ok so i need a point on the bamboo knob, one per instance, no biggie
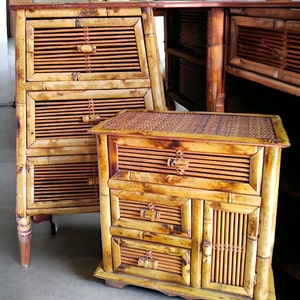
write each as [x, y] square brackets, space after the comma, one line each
[86, 48]
[148, 262]
[91, 118]
[149, 214]
[179, 163]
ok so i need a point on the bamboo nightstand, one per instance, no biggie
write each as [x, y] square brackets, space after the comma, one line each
[188, 202]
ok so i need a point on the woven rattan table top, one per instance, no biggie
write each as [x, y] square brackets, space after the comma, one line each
[205, 125]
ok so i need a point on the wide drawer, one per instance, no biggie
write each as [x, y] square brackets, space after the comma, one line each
[191, 164]
[263, 49]
[61, 119]
[160, 262]
[62, 183]
[87, 48]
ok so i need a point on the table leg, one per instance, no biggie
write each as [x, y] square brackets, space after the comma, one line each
[24, 236]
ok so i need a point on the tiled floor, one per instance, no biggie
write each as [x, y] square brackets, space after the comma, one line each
[62, 265]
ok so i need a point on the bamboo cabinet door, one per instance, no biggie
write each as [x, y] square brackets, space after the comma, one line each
[229, 247]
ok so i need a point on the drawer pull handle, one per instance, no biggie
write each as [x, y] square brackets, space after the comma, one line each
[179, 163]
[75, 76]
[150, 214]
[91, 118]
[148, 262]
[86, 48]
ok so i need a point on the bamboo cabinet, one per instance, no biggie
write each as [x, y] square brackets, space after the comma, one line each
[188, 202]
[74, 67]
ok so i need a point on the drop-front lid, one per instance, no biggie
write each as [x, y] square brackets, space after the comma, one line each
[227, 127]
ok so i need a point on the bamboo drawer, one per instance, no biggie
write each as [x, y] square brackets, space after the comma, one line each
[263, 48]
[186, 164]
[65, 183]
[157, 213]
[194, 191]
[164, 263]
[87, 48]
[62, 119]
[232, 164]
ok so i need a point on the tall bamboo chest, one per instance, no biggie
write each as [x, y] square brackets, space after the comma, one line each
[188, 202]
[75, 65]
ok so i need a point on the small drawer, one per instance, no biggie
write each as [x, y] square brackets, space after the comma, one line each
[160, 214]
[157, 261]
[62, 183]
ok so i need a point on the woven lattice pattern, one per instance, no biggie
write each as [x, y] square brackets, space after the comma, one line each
[235, 125]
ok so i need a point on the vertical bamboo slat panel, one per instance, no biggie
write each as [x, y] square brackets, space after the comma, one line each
[232, 240]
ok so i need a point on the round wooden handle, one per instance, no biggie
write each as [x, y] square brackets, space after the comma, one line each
[86, 48]
[91, 118]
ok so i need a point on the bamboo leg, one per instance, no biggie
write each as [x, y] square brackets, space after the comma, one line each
[153, 59]
[24, 236]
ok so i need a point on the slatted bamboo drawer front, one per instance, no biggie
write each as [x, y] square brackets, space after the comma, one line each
[187, 164]
[57, 119]
[264, 48]
[187, 201]
[229, 165]
[148, 260]
[157, 213]
[145, 220]
[108, 45]
[66, 183]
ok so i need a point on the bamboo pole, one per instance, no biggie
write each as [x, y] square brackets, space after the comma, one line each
[23, 221]
[153, 59]
[103, 170]
[215, 93]
[267, 221]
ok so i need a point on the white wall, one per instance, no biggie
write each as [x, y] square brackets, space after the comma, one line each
[159, 26]
[3, 25]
